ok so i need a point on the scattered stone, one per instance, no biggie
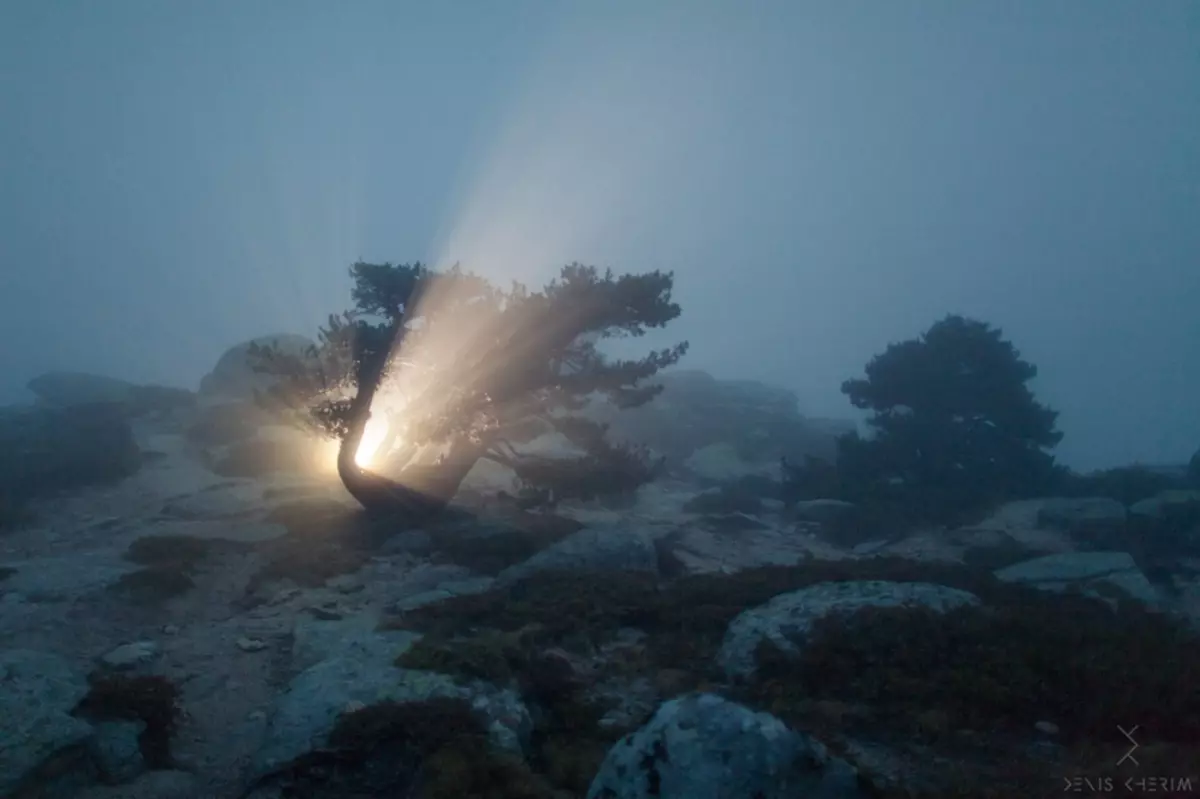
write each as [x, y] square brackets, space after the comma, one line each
[324, 614]
[131, 655]
[170, 629]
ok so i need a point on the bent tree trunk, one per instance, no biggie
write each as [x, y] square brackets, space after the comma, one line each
[420, 490]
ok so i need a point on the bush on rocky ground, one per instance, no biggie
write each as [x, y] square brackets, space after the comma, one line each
[436, 749]
[1001, 667]
[1126, 484]
[962, 690]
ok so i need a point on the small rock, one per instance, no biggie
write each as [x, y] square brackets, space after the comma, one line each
[256, 715]
[251, 644]
[325, 614]
[170, 629]
[1046, 727]
[130, 655]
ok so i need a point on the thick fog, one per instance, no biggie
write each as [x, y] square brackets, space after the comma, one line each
[823, 178]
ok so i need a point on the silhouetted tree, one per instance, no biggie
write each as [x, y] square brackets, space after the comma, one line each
[954, 426]
[462, 368]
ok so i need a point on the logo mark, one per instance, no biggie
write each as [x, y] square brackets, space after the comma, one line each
[1129, 734]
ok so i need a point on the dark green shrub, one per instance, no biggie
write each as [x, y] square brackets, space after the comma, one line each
[1067, 659]
[1126, 484]
[45, 451]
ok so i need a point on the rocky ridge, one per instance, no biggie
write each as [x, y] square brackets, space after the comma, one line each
[184, 633]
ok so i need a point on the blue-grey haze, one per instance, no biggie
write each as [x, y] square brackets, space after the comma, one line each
[824, 177]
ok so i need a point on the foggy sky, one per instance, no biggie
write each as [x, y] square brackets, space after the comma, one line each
[824, 178]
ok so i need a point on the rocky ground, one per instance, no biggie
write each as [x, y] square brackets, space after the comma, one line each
[183, 634]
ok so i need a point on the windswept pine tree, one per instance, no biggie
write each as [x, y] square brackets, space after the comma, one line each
[434, 370]
[954, 427]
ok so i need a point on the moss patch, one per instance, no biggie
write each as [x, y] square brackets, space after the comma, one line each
[149, 699]
[492, 655]
[493, 546]
[153, 584]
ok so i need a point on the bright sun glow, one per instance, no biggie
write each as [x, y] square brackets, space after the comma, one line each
[374, 434]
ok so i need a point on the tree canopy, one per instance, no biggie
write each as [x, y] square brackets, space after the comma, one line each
[458, 365]
[953, 425]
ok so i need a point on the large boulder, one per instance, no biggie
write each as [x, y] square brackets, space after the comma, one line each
[234, 376]
[705, 747]
[1091, 518]
[45, 450]
[786, 620]
[1097, 574]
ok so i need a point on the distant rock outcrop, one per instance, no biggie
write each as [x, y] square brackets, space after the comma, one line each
[68, 389]
[755, 423]
[234, 376]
